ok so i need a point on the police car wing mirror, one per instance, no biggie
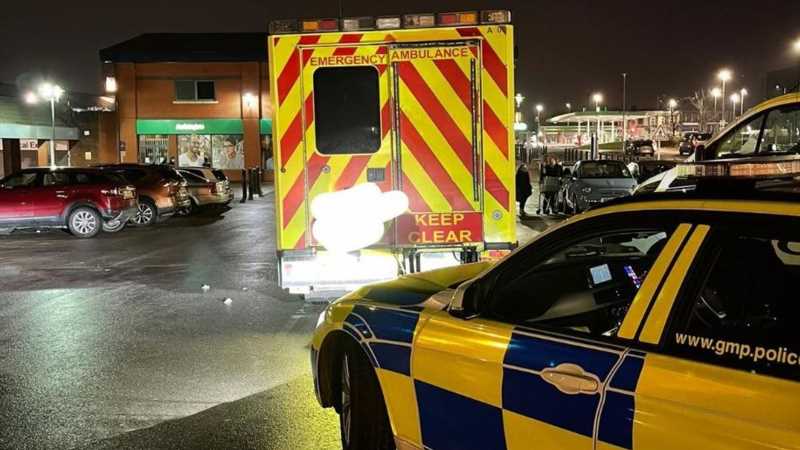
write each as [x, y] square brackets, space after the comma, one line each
[462, 304]
[699, 152]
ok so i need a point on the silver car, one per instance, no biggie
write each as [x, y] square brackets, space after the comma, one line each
[592, 182]
[205, 188]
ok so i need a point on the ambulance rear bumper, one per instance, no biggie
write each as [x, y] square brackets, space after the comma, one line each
[322, 274]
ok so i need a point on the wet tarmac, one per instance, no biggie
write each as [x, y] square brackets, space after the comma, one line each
[113, 343]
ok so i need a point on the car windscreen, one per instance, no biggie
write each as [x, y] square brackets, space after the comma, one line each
[603, 169]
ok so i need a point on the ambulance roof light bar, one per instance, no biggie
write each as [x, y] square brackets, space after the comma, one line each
[457, 18]
[425, 20]
[764, 169]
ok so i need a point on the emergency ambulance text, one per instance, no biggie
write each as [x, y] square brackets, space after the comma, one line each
[407, 54]
[348, 60]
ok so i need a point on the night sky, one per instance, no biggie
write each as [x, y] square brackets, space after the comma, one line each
[567, 48]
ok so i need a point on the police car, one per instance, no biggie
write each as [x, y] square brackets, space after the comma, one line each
[771, 128]
[660, 322]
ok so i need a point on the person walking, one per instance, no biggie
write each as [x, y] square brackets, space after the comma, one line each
[524, 188]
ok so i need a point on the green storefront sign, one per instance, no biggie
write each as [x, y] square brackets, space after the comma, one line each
[190, 126]
[197, 126]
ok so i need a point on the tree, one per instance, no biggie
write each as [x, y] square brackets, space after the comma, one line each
[700, 103]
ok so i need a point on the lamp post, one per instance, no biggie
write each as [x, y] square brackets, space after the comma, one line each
[52, 93]
[569, 106]
[734, 99]
[597, 98]
[743, 93]
[624, 110]
[724, 75]
[672, 104]
[539, 109]
[796, 48]
[716, 93]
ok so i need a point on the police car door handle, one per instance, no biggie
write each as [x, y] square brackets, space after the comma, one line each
[571, 379]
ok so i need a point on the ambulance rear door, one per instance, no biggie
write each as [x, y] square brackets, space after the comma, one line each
[346, 116]
[437, 147]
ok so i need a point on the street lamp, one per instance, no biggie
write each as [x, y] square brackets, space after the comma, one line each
[734, 99]
[519, 98]
[52, 93]
[716, 93]
[743, 92]
[569, 107]
[724, 75]
[672, 103]
[796, 48]
[597, 98]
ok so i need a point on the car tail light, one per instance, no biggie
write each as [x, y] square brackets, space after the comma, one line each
[115, 192]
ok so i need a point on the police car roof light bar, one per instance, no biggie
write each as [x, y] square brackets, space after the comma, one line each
[768, 169]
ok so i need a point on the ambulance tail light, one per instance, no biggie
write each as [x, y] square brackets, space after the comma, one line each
[358, 23]
[283, 26]
[388, 22]
[314, 25]
[458, 18]
[419, 20]
[495, 16]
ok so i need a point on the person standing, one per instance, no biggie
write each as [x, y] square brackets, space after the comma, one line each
[524, 188]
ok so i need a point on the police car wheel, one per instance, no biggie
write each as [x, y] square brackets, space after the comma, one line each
[363, 421]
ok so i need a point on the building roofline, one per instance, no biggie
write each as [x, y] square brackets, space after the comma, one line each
[188, 47]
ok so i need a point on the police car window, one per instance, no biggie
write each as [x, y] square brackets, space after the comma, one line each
[782, 131]
[745, 313]
[742, 140]
[346, 110]
[585, 287]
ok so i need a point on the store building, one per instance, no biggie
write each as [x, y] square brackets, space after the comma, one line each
[83, 131]
[192, 100]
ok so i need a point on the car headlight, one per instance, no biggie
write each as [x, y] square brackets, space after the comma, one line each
[586, 190]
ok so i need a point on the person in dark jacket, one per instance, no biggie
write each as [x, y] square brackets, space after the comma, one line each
[524, 189]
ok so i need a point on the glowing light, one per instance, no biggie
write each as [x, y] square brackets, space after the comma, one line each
[672, 103]
[796, 45]
[250, 99]
[520, 126]
[353, 219]
[31, 98]
[111, 85]
[539, 108]
[725, 75]
[597, 98]
[716, 92]
[735, 97]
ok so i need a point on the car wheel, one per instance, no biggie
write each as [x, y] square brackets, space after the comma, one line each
[363, 420]
[113, 226]
[145, 214]
[84, 222]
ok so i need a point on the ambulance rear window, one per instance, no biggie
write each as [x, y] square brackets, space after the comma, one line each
[347, 110]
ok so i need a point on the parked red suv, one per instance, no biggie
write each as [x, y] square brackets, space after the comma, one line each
[81, 200]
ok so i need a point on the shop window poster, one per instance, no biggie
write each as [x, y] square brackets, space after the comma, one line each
[228, 151]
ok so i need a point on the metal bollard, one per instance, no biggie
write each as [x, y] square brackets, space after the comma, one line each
[250, 178]
[260, 179]
[244, 186]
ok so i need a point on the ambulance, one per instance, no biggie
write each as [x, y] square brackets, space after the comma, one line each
[393, 145]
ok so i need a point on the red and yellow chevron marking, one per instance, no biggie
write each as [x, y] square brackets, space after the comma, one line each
[435, 121]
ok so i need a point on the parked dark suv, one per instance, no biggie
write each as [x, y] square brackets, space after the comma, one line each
[81, 200]
[162, 190]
